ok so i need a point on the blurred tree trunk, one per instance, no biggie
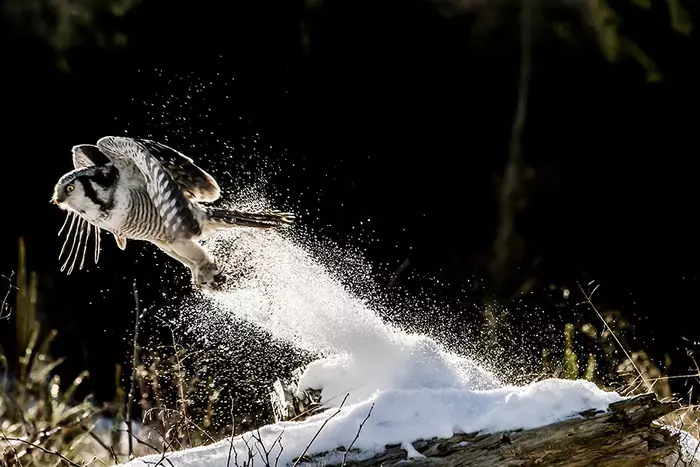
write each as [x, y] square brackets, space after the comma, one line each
[509, 248]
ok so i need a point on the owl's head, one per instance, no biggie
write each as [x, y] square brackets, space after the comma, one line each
[87, 191]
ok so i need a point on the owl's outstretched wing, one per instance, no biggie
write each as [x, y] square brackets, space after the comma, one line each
[174, 208]
[86, 155]
[195, 182]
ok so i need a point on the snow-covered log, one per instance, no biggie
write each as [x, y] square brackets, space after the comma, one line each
[624, 436]
[627, 435]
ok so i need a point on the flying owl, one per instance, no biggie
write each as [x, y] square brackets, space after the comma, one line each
[139, 189]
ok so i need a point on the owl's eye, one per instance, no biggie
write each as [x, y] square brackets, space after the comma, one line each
[70, 188]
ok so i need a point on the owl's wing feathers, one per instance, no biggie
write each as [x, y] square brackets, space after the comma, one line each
[174, 207]
[86, 155]
[195, 182]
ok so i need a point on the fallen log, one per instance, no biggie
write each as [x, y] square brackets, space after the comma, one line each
[626, 435]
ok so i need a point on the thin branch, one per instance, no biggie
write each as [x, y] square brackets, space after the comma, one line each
[132, 385]
[697, 447]
[347, 451]
[140, 441]
[165, 450]
[251, 458]
[104, 445]
[185, 419]
[95, 458]
[263, 454]
[46, 451]
[319, 431]
[259, 441]
[163, 453]
[233, 429]
[5, 311]
[180, 386]
[661, 378]
[175, 437]
[279, 441]
[588, 299]
[11, 446]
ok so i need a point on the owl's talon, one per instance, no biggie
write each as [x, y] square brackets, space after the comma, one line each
[220, 278]
[209, 277]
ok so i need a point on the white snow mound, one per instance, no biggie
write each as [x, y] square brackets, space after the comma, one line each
[414, 386]
[401, 417]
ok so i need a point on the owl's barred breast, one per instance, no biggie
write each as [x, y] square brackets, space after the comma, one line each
[140, 220]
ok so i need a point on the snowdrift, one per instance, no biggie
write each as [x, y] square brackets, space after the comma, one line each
[414, 388]
[399, 417]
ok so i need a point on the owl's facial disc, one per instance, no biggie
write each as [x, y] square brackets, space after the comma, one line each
[66, 193]
[61, 193]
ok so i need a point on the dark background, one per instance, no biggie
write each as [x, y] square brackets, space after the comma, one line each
[390, 122]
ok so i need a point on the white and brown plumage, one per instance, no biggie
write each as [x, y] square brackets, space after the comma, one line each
[144, 190]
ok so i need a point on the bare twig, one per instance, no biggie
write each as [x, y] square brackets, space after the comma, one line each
[593, 307]
[695, 452]
[319, 431]
[175, 437]
[233, 429]
[182, 400]
[185, 419]
[162, 456]
[680, 449]
[46, 451]
[259, 440]
[140, 441]
[165, 450]
[662, 378]
[5, 311]
[251, 458]
[267, 452]
[95, 458]
[132, 385]
[279, 441]
[104, 445]
[43, 436]
[11, 446]
[347, 451]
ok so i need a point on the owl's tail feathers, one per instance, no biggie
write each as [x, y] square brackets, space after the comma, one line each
[223, 218]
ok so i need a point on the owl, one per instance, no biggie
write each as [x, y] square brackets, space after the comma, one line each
[139, 189]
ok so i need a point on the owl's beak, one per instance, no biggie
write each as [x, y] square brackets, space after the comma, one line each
[53, 201]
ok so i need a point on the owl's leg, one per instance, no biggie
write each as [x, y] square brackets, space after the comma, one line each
[165, 247]
[205, 272]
